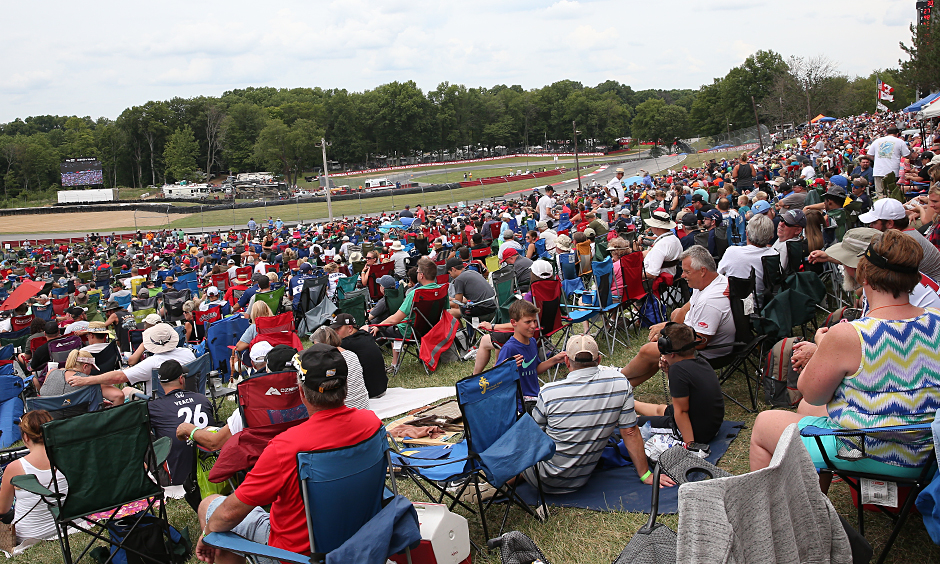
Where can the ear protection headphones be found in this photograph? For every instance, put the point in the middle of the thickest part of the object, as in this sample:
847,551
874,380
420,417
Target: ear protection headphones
665,343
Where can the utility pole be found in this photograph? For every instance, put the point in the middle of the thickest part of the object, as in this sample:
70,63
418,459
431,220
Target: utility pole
760,138
577,169
326,176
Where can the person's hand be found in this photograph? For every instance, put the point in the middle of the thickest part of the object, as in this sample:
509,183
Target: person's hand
664,481
803,351
560,357
819,335
655,331
818,256
486,326
519,360
76,379
663,364
374,330
183,431
206,553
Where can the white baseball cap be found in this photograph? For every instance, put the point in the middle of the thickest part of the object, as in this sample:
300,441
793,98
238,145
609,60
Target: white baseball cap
884,209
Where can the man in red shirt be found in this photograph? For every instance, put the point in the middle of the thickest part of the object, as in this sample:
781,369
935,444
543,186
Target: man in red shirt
322,375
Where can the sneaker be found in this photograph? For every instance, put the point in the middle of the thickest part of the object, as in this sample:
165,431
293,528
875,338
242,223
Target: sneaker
471,354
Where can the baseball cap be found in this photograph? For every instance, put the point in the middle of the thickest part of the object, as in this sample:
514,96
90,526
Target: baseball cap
839,180
542,269
319,365
387,281
75,311
794,218
212,290
760,206
230,261
143,291
690,220
171,370
541,225
697,198
853,245
454,262
51,328
342,320
89,359
885,209
510,252
836,191
279,358
305,267
713,215
580,346
259,351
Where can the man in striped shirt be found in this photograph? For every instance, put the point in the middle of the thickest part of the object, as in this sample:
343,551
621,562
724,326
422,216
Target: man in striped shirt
580,413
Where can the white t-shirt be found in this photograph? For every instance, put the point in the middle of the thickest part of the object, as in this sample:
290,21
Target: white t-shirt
887,152
261,268
667,248
738,262
545,203
808,173
143,370
615,186
710,314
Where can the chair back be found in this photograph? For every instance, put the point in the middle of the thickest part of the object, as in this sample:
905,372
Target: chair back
43,312
273,298
270,399
100,476
342,489
60,348
124,301
428,307
797,251
20,322
773,274
354,303
631,273
569,265
202,318
480,253
220,281
36,342
83,400
243,270
394,297
173,302
547,297
377,271
198,373
603,273
585,256
140,314
488,402
738,291
222,334
59,305
313,292
107,359
504,282
345,285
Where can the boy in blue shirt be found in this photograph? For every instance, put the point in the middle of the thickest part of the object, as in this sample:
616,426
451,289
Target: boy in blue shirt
523,317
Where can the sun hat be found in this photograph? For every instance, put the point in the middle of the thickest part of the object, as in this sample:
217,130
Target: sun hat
160,338
98,327
853,245
660,220
396,245
563,243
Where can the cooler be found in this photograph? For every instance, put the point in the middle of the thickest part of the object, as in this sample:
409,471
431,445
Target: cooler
445,537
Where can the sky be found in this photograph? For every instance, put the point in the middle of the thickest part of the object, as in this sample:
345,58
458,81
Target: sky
100,57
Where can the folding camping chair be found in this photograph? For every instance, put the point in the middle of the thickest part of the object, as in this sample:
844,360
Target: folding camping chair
260,407
346,285
428,306
173,302
59,305
602,306
278,330
500,444
84,400
107,359
221,335
221,281
354,303
553,325
60,348
202,318
377,271
274,299
585,256
20,322
857,444
314,308
344,493
504,282
18,339
102,478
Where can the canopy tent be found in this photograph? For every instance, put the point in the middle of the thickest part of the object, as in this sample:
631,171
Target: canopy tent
23,292
919,105
826,119
817,118
932,109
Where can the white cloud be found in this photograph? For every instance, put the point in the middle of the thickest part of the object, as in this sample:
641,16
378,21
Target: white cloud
98,60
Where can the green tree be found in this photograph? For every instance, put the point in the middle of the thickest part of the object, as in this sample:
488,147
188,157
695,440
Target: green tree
659,122
242,124
180,154
922,69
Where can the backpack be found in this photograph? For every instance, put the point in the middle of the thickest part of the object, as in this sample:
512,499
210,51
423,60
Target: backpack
780,378
652,311
843,314
147,538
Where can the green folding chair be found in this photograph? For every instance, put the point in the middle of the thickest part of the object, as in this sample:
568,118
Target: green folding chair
354,303
140,314
394,297
345,285
102,478
504,282
273,299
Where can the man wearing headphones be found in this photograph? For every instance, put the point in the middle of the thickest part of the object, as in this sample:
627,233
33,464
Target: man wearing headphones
690,376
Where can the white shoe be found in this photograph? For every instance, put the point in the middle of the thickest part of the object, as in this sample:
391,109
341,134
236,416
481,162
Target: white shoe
472,353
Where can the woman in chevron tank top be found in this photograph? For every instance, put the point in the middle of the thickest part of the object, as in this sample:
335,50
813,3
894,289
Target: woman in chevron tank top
880,370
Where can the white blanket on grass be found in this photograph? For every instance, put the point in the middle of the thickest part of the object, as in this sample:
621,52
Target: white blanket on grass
397,401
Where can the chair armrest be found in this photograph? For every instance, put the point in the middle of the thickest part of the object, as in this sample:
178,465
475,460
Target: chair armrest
812,431
161,449
29,483
234,543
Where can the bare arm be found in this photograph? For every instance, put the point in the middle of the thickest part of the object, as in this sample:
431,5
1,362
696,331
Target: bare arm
212,440
224,518
634,443
7,489
109,378
680,413
838,355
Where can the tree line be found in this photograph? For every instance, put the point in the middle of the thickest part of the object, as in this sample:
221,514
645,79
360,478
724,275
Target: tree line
280,129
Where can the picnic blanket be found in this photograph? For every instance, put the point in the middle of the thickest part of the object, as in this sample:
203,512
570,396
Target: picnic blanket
619,489
402,400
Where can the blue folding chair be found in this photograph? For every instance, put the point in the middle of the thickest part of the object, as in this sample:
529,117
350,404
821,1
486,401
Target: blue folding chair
500,444
531,224
222,334
44,313
569,266
876,443
84,400
343,491
564,222
540,251
188,281
124,301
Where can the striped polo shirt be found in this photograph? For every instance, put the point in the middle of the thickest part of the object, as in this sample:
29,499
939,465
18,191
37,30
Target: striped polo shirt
579,413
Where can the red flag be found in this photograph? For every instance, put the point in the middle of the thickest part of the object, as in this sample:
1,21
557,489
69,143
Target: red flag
438,339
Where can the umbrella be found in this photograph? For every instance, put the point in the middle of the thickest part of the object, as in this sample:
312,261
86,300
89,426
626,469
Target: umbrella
23,292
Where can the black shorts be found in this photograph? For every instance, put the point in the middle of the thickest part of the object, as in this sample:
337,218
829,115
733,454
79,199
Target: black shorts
390,332
500,338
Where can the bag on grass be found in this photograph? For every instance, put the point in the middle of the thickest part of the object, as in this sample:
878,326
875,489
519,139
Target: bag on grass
652,311
147,538
779,376
204,464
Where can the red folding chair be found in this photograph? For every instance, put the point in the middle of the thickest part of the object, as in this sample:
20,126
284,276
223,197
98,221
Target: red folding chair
21,322
292,264
221,281
260,406
144,271
202,318
480,253
277,330
59,305
428,305
375,272
553,329
272,268
243,270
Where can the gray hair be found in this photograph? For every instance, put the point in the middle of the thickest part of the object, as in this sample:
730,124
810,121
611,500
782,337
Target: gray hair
700,258
326,335
760,230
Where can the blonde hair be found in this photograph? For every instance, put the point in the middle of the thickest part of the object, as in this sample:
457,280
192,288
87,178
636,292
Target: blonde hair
331,267
260,309
72,363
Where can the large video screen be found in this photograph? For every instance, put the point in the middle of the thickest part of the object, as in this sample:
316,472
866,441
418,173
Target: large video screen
81,172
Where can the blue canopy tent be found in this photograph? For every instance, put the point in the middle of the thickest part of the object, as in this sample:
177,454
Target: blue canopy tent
826,119
919,105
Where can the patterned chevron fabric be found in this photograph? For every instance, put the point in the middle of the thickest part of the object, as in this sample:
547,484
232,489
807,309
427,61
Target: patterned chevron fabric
898,383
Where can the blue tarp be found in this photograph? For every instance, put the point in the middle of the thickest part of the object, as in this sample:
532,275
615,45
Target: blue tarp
919,105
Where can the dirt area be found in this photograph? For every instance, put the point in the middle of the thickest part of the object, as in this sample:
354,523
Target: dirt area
87,221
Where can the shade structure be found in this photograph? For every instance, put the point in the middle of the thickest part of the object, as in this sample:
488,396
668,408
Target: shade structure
919,105
23,292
